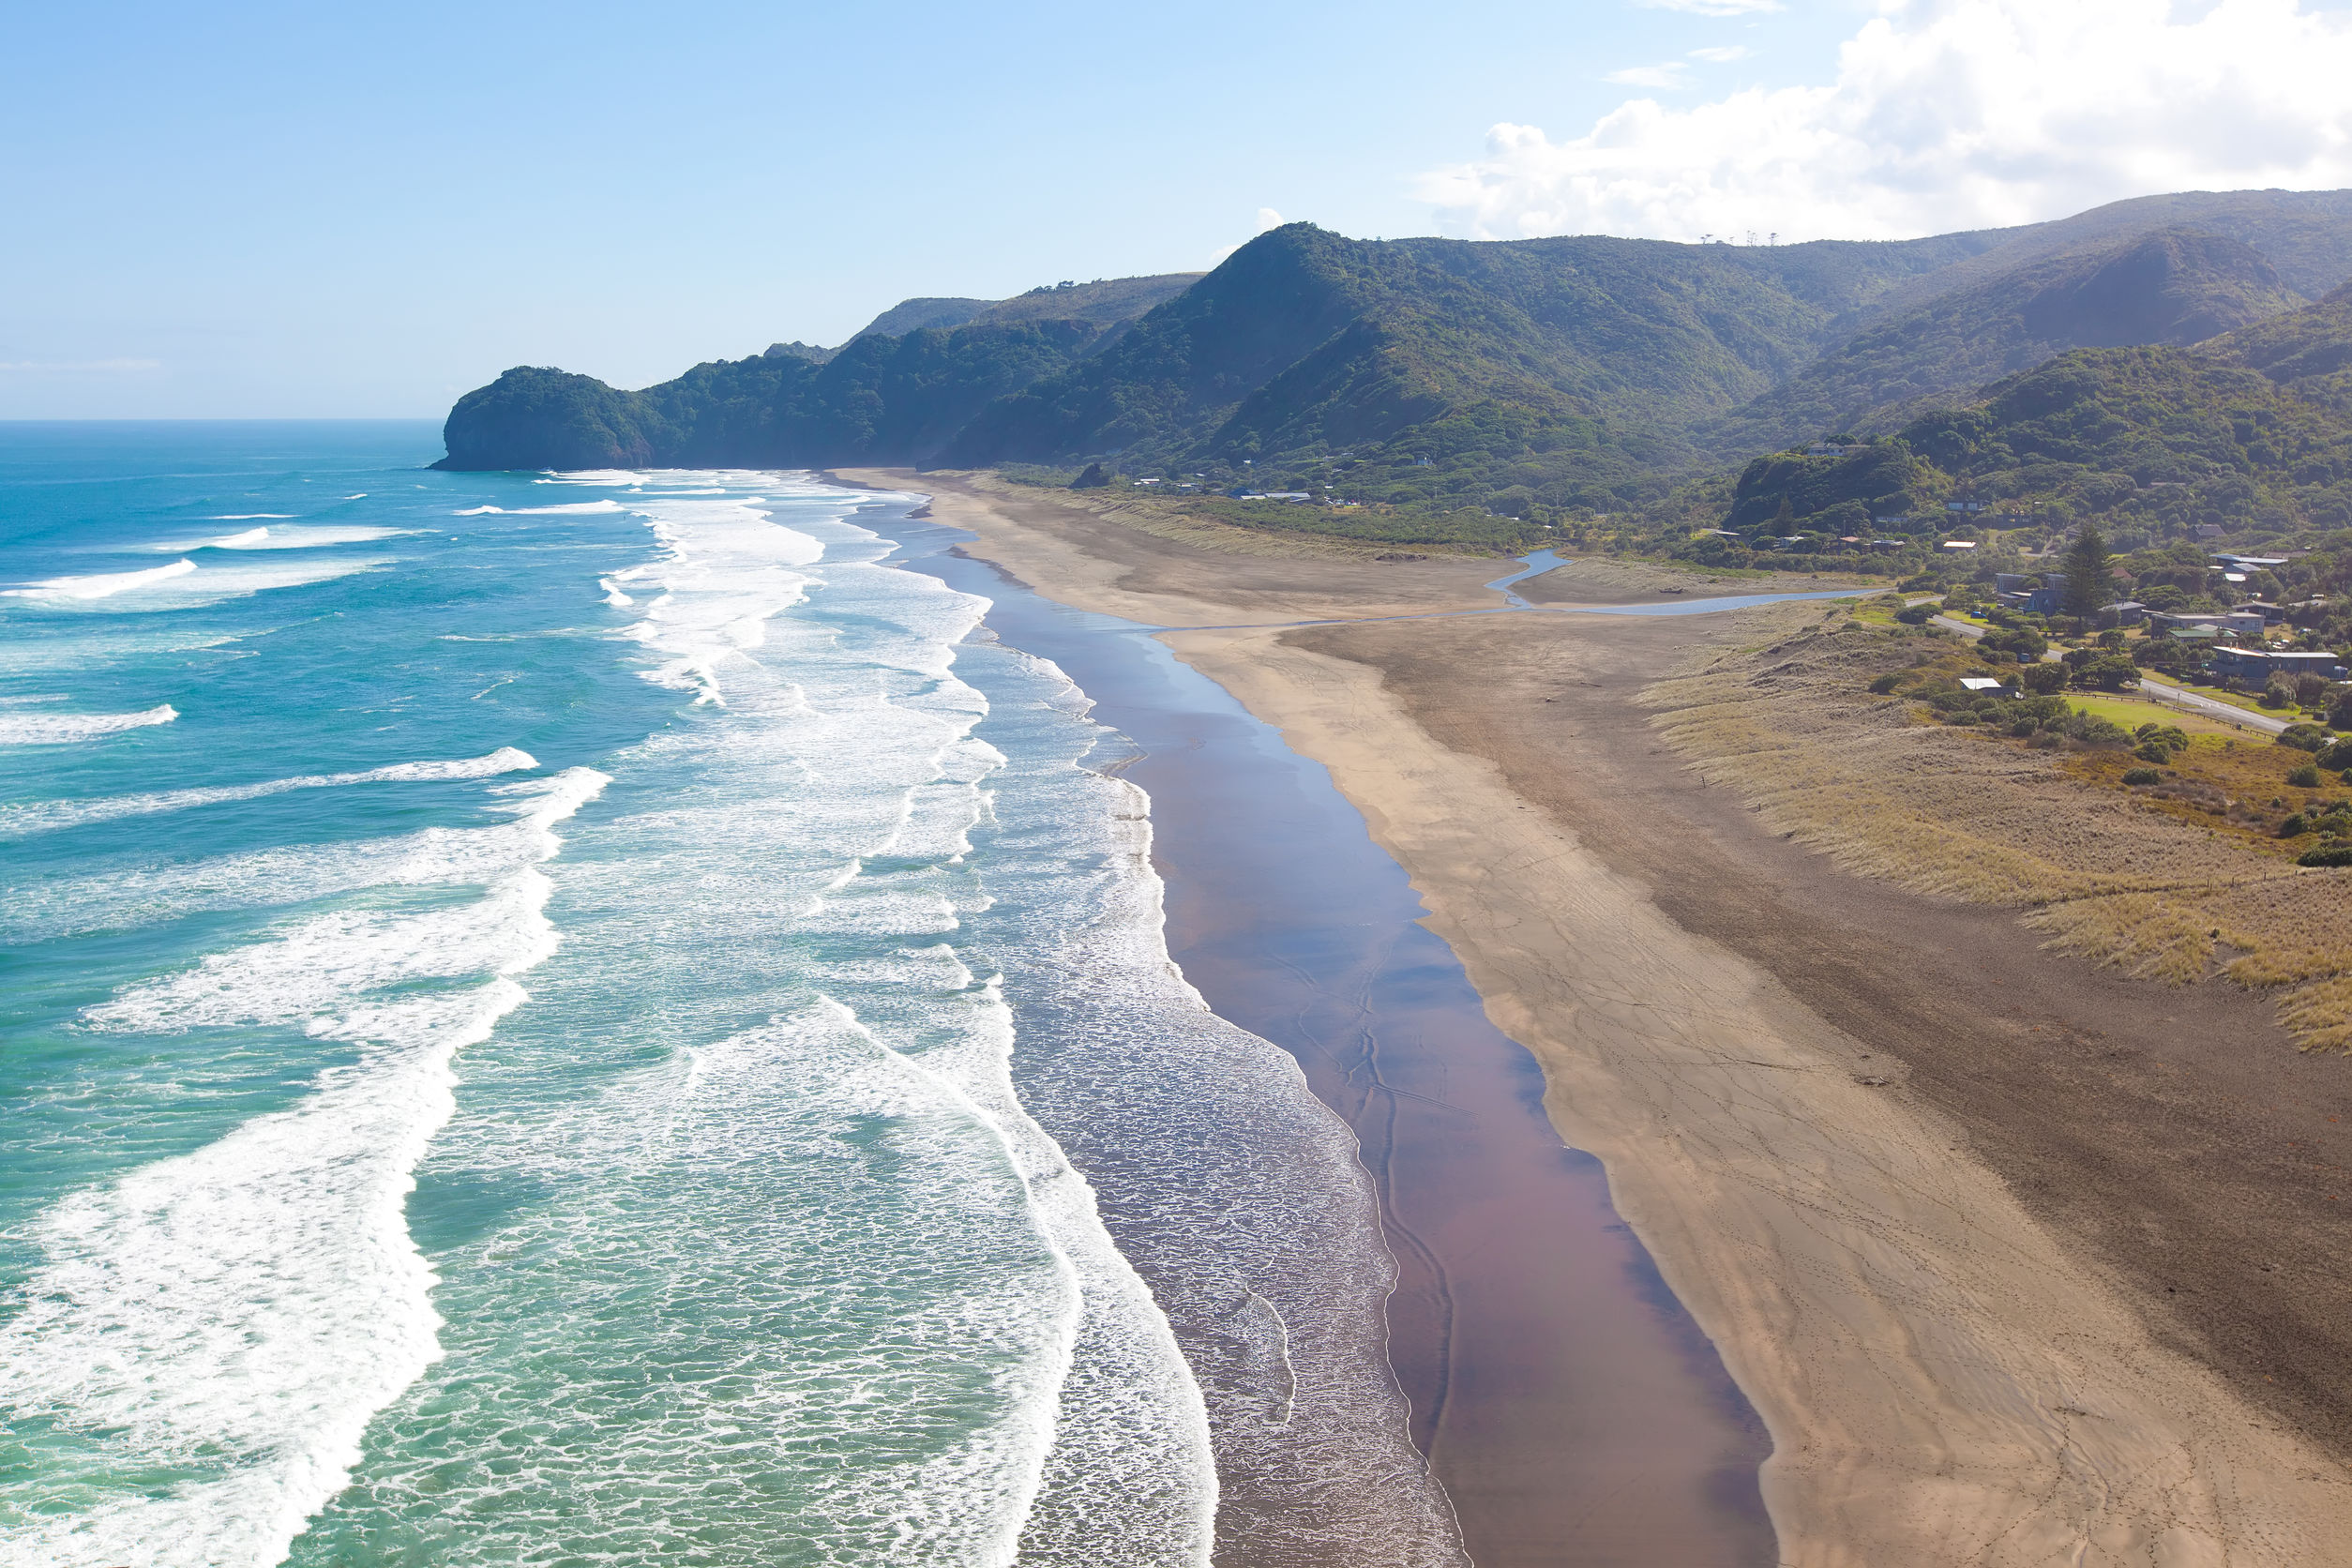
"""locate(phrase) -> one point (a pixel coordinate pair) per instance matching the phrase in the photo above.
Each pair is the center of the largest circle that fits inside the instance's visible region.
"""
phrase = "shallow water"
(534, 1015)
(1574, 1411)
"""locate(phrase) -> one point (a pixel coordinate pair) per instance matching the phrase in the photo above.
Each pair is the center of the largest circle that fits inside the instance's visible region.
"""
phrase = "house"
(2014, 582)
(2244, 625)
(1959, 544)
(2208, 530)
(2255, 666)
(1985, 685)
(2125, 612)
(1886, 544)
(2269, 613)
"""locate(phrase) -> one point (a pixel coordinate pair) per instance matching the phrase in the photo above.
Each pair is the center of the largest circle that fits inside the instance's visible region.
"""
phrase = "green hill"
(2174, 286)
(2308, 354)
(1526, 378)
(878, 399)
(1569, 371)
(2148, 442)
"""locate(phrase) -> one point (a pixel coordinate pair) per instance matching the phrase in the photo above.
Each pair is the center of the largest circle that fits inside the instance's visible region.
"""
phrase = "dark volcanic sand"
(2175, 1134)
(1574, 1412)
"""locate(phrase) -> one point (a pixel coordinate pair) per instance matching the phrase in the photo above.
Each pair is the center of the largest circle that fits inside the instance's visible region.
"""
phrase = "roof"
(1980, 683)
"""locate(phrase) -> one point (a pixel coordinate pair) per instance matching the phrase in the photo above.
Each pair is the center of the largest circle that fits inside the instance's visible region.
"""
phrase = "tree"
(2086, 578)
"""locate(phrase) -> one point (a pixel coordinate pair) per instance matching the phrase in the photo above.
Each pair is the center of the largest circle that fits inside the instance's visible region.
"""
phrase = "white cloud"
(1947, 114)
(1267, 218)
(1713, 7)
(1671, 74)
(1720, 53)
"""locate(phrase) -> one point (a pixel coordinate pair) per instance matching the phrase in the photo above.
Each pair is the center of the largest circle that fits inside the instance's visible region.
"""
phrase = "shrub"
(1886, 683)
(1965, 715)
(2304, 778)
(2280, 693)
(2311, 688)
(2112, 671)
(2303, 737)
(2044, 679)
(2337, 757)
(1916, 614)
(2091, 730)
(2141, 776)
(2294, 826)
(2326, 854)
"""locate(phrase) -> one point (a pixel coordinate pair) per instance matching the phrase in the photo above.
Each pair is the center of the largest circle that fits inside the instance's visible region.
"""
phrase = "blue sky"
(248, 209)
(255, 210)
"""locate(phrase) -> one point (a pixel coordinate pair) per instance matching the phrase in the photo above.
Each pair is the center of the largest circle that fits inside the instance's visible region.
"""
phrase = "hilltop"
(1550, 381)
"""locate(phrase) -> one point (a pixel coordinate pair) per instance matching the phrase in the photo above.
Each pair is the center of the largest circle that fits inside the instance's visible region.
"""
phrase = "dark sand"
(1570, 1406)
(2173, 1132)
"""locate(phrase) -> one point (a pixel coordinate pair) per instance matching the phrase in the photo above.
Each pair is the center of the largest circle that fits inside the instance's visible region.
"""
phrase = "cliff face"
(879, 401)
(538, 418)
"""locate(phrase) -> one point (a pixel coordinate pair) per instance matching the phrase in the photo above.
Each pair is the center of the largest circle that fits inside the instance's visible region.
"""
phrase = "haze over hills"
(1522, 378)
(2173, 286)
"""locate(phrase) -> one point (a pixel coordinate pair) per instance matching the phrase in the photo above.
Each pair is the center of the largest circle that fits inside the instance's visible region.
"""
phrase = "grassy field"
(2185, 882)
(2132, 712)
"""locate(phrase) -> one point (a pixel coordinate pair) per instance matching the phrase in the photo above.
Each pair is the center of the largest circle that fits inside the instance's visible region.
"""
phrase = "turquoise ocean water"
(542, 1016)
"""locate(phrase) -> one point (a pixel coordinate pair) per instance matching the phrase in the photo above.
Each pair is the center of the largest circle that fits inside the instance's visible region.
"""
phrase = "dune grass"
(2185, 882)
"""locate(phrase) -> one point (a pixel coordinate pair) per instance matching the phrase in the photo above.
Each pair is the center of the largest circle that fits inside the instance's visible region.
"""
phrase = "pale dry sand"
(1945, 1382)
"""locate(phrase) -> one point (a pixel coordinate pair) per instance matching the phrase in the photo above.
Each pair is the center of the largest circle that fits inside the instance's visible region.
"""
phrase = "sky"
(257, 210)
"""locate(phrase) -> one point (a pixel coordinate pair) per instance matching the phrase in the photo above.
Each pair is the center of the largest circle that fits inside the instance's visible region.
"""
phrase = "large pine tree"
(2087, 582)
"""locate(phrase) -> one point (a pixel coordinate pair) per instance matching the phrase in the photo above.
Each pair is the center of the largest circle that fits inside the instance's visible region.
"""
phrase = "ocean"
(601, 1018)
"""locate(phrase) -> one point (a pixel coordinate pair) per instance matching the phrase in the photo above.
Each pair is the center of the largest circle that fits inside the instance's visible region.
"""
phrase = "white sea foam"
(306, 536)
(63, 728)
(182, 585)
(605, 476)
(431, 858)
(47, 816)
(232, 1319)
(99, 585)
(580, 508)
(250, 517)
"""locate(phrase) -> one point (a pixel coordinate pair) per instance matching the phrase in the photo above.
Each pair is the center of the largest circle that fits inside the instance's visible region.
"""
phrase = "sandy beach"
(1974, 1332)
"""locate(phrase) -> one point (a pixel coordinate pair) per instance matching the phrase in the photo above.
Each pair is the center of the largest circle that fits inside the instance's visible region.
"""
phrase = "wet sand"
(1950, 1372)
(1572, 1410)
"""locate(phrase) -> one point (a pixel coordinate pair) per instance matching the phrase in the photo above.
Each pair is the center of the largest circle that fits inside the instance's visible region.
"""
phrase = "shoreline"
(1945, 1378)
(1558, 1388)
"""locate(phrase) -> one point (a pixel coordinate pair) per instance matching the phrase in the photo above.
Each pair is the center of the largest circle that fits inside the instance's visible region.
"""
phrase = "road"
(2228, 713)
(2209, 708)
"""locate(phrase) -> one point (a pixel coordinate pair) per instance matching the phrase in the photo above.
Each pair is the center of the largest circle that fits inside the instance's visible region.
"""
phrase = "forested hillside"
(2248, 433)
(1545, 380)
(2176, 286)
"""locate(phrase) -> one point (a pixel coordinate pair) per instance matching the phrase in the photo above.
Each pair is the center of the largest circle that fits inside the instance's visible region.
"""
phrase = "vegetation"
(2176, 286)
(1576, 387)
(2043, 804)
